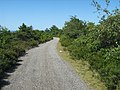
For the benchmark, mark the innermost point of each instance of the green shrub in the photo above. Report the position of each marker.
(100, 47)
(33, 43)
(14, 44)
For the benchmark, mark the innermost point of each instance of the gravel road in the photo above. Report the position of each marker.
(43, 69)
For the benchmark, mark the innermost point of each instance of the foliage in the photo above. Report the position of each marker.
(55, 31)
(99, 45)
(72, 30)
(14, 44)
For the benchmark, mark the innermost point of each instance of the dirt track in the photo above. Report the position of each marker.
(43, 69)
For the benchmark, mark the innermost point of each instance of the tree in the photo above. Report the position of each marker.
(74, 27)
(55, 30)
(104, 12)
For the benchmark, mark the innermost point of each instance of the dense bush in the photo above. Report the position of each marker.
(14, 44)
(72, 30)
(99, 45)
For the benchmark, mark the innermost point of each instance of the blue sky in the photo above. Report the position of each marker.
(43, 14)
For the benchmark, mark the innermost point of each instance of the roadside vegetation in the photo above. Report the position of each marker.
(15, 44)
(99, 45)
(92, 79)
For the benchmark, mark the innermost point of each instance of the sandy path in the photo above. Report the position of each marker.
(43, 69)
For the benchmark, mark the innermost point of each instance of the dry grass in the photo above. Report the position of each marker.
(82, 68)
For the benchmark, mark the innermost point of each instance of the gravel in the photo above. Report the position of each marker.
(43, 69)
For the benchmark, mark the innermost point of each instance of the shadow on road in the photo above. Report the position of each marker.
(3, 82)
(7, 73)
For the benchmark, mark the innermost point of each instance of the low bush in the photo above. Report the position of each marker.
(15, 44)
(100, 46)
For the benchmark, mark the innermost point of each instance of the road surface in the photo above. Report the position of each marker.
(43, 69)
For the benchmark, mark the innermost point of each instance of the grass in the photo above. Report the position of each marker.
(91, 78)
